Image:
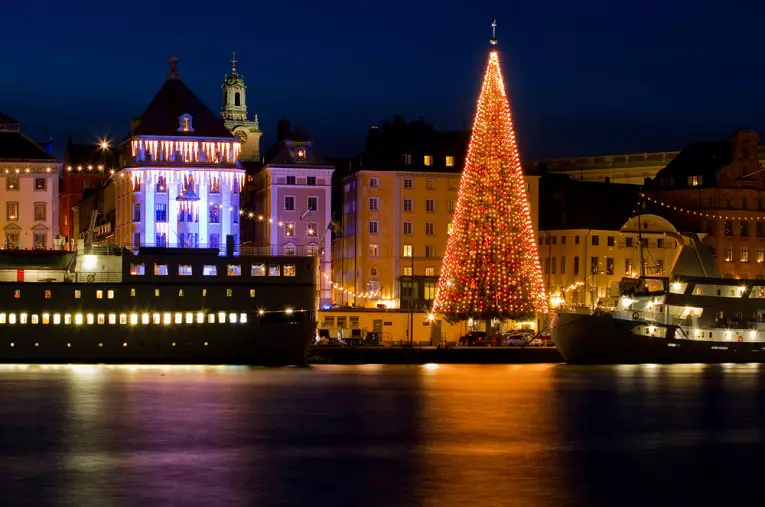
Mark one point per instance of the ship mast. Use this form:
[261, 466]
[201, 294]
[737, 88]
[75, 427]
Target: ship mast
[640, 240]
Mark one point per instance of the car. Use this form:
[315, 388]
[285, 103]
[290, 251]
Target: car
[473, 339]
[541, 341]
[515, 340]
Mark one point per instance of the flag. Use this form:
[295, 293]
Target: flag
[334, 227]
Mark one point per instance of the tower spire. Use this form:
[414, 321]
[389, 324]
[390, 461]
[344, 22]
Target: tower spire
[493, 39]
[173, 74]
[234, 61]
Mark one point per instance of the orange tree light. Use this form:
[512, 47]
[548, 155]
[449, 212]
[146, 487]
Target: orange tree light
[491, 264]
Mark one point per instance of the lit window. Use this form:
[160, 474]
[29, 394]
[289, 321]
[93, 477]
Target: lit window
[101, 318]
[300, 154]
[12, 318]
[184, 270]
[78, 319]
[90, 318]
[229, 293]
[210, 270]
[2, 318]
[407, 250]
[289, 270]
[156, 318]
[243, 318]
[68, 318]
[160, 269]
[99, 294]
[221, 317]
[232, 318]
[234, 270]
[180, 293]
[449, 227]
[23, 318]
[17, 294]
[123, 318]
[137, 269]
[57, 318]
[289, 229]
[204, 292]
[430, 271]
[113, 318]
[449, 161]
[211, 318]
[145, 318]
[132, 292]
[252, 293]
[47, 294]
[110, 294]
[179, 318]
[428, 160]
[374, 182]
[35, 318]
[46, 318]
[167, 318]
[374, 251]
[189, 318]
[431, 184]
[200, 318]
[133, 319]
[273, 270]
[185, 125]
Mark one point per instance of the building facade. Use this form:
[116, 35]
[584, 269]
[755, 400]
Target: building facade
[29, 178]
[292, 201]
[630, 168]
[234, 114]
[181, 178]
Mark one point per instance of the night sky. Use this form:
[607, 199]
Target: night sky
[585, 78]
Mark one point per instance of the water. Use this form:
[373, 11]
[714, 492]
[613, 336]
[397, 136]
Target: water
[536, 435]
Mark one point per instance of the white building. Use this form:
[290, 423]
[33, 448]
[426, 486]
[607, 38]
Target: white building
[181, 181]
[28, 190]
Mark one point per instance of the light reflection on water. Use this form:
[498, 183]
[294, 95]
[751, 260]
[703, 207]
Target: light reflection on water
[531, 435]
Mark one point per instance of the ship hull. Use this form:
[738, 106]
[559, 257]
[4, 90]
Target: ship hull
[262, 343]
[588, 339]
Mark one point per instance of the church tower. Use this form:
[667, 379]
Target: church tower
[234, 114]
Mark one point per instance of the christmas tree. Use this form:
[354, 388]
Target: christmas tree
[491, 264]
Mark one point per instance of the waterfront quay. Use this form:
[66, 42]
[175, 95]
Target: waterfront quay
[438, 355]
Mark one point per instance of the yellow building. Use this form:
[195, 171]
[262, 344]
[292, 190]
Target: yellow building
[395, 228]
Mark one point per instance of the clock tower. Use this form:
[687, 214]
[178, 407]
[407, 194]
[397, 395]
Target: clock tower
[234, 114]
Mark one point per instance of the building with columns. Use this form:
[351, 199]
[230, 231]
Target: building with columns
[234, 114]
[292, 200]
[28, 191]
[181, 179]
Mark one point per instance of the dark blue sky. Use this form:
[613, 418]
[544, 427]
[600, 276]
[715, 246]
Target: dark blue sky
[585, 78]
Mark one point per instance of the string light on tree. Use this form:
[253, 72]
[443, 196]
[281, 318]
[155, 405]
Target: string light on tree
[491, 265]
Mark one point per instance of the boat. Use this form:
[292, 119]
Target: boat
[680, 318]
[156, 305]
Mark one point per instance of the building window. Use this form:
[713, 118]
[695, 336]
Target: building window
[214, 185]
[214, 214]
[595, 240]
[546, 268]
[576, 240]
[659, 266]
[554, 240]
[374, 250]
[563, 240]
[594, 265]
[451, 206]
[209, 270]
[430, 251]
[289, 229]
[313, 203]
[374, 182]
[374, 227]
[760, 254]
[12, 183]
[449, 161]
[407, 228]
[430, 205]
[428, 160]
[430, 271]
[407, 270]
[407, 250]
[408, 183]
[744, 203]
[161, 184]
[161, 239]
[553, 263]
[289, 270]
[11, 240]
[695, 181]
[313, 230]
[40, 211]
[234, 270]
[431, 184]
[628, 267]
[729, 202]
[429, 291]
[12, 211]
[40, 183]
[609, 266]
[184, 270]
[406, 159]
[137, 269]
[563, 265]
[300, 154]
[160, 270]
[40, 240]
[728, 228]
[430, 228]
[161, 213]
[449, 228]
[576, 265]
[744, 254]
[291, 180]
[744, 228]
[214, 241]
[407, 205]
[310, 180]
[137, 212]
[373, 202]
[610, 240]
[759, 230]
[289, 203]
[274, 270]
[728, 253]
[185, 123]
[660, 243]
[258, 270]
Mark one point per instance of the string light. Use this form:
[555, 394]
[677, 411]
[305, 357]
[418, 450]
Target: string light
[700, 213]
[491, 264]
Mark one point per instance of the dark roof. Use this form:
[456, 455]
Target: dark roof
[17, 146]
[697, 159]
[573, 204]
[90, 154]
[285, 153]
[173, 100]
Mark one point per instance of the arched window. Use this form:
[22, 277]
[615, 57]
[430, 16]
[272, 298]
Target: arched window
[237, 99]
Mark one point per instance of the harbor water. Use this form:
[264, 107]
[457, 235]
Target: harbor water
[440, 435]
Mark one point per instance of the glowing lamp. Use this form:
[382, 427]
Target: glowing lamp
[89, 261]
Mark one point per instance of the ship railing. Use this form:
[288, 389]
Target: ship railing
[100, 277]
[243, 249]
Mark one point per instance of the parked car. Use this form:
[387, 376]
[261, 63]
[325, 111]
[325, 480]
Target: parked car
[541, 341]
[517, 337]
[474, 339]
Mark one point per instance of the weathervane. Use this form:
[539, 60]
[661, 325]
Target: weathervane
[493, 39]
[234, 61]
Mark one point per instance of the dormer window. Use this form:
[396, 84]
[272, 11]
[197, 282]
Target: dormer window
[300, 154]
[185, 123]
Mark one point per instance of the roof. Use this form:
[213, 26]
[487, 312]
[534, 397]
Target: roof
[573, 204]
[17, 146]
[172, 101]
[698, 159]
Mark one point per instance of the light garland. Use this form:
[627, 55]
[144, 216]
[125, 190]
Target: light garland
[491, 265]
[700, 213]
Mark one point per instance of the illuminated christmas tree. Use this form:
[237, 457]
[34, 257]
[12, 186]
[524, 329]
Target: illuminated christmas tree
[491, 265]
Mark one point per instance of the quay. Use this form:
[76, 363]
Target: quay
[427, 354]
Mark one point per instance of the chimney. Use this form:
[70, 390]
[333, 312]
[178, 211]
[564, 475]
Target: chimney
[282, 130]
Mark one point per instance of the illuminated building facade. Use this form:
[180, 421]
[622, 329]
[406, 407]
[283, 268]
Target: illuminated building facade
[181, 177]
[28, 191]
